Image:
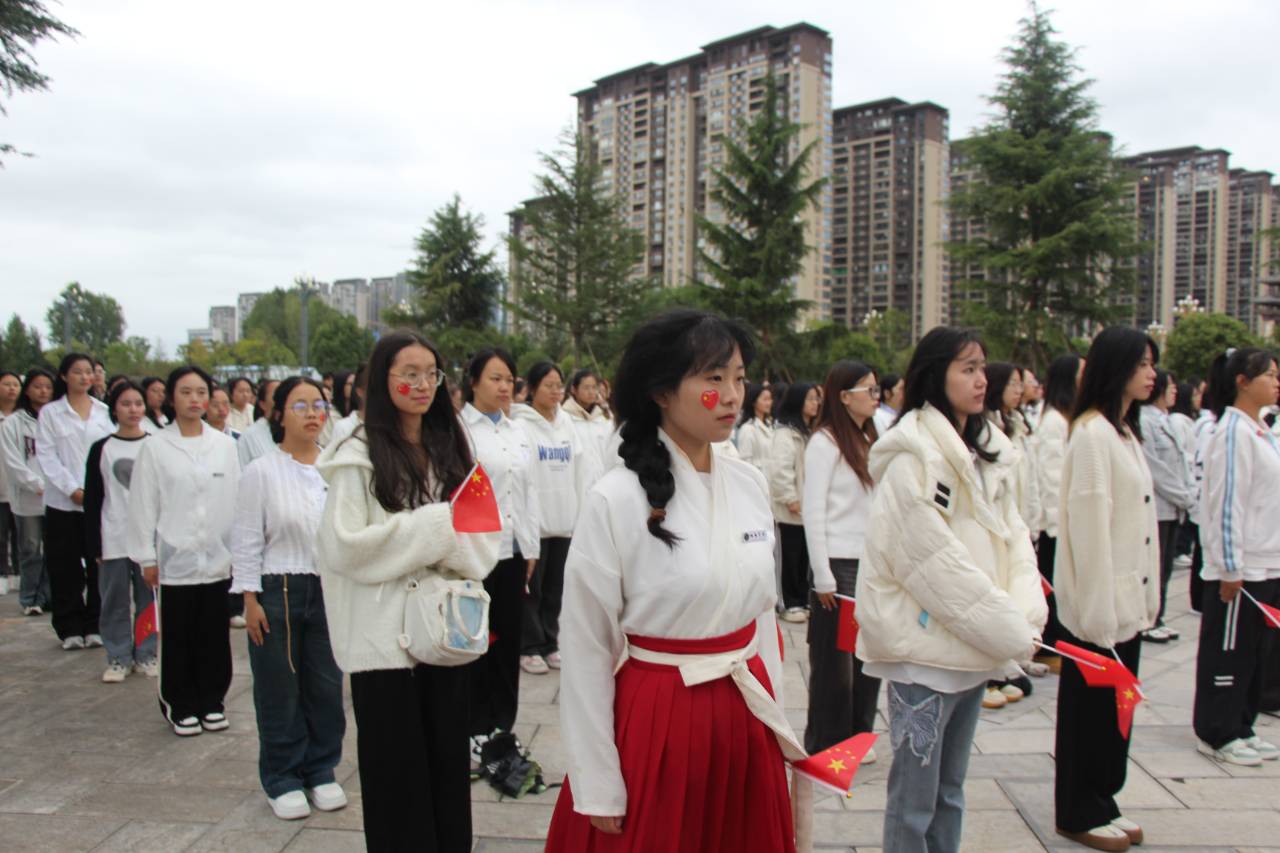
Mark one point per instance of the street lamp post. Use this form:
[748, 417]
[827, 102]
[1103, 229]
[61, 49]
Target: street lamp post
[305, 288]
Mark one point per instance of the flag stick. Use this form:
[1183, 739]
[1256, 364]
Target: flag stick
[1265, 612]
[1135, 678]
[1075, 658]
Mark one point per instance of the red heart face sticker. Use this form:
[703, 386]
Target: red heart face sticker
[403, 389]
[710, 398]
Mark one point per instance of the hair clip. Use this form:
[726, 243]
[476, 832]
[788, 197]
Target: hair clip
[657, 514]
[1231, 351]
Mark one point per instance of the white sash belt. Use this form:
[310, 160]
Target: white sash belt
[702, 668]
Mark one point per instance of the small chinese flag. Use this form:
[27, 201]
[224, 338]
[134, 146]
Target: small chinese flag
[1046, 586]
[145, 625]
[1102, 671]
[835, 767]
[1271, 615]
[847, 627]
[475, 507]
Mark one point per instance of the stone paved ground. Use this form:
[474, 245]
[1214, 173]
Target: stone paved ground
[89, 766]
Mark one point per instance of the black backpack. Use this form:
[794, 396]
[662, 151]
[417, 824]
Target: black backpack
[509, 768]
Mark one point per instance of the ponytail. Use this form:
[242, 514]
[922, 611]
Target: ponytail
[1249, 362]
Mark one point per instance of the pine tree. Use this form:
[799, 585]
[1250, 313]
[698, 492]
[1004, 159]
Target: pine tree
[1052, 200]
[457, 283]
[20, 348]
[22, 24]
[575, 265]
[759, 249]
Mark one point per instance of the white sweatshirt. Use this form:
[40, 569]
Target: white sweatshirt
[278, 508]
[63, 439]
[254, 442]
[26, 480]
[1238, 526]
[836, 508]
[503, 449]
[181, 501]
[562, 472]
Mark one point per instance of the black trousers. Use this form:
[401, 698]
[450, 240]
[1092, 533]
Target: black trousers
[1092, 757]
[1197, 563]
[495, 678]
[795, 565]
[842, 701]
[411, 742]
[194, 649]
[1046, 548]
[73, 574]
[542, 603]
[1231, 663]
[1167, 531]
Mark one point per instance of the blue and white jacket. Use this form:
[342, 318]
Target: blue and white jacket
[1237, 504]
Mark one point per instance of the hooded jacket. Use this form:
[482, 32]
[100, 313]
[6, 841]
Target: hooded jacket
[594, 429]
[366, 555]
[1170, 469]
[949, 578]
[18, 456]
[562, 471]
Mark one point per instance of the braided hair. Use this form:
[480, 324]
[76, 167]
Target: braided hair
[659, 356]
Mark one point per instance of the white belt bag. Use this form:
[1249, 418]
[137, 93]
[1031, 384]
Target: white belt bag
[446, 622]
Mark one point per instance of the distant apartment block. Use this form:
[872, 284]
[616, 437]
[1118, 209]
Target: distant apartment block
[350, 296]
[1250, 213]
[244, 307]
[223, 318]
[659, 132]
[207, 336]
[890, 181]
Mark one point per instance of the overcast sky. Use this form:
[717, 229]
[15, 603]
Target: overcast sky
[187, 152]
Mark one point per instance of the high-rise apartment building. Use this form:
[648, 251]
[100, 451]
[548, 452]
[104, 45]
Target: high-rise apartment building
[658, 131]
[387, 292]
[244, 307]
[1249, 247]
[350, 296]
[223, 318]
[890, 179]
[1181, 205]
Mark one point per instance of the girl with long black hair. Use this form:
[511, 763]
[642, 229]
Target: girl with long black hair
[1107, 574]
[68, 426]
[755, 428]
[672, 559]
[26, 489]
[794, 421]
[387, 519]
[10, 388]
[153, 395]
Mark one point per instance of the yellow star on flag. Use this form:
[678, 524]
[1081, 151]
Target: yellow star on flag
[836, 765]
[1128, 694]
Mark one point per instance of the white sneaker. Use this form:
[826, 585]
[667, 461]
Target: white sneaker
[187, 727]
[290, 806]
[795, 614]
[33, 610]
[1182, 561]
[1266, 751]
[1012, 692]
[4, 584]
[115, 673]
[71, 643]
[1237, 752]
[328, 797]
[534, 664]
[870, 757]
[237, 621]
[150, 668]
[553, 660]
[214, 722]
[93, 641]
[993, 699]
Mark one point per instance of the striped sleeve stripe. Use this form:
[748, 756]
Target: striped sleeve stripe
[1228, 555]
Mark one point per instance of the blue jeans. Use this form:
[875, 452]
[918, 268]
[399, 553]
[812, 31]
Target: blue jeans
[931, 733]
[120, 580]
[34, 586]
[297, 688]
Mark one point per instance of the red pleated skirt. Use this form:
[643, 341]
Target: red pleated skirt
[702, 773]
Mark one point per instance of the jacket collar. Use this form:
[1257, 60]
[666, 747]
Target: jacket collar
[574, 408]
[982, 486]
[475, 417]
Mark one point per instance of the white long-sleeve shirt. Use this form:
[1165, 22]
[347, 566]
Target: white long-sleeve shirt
[181, 501]
[63, 440]
[278, 509]
[619, 580]
[18, 449]
[1051, 449]
[504, 451]
[254, 442]
[836, 508]
[4, 472]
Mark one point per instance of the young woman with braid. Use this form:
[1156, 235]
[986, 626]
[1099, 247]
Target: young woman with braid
[672, 557]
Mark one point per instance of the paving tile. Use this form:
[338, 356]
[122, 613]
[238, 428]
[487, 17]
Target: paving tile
[144, 836]
[156, 802]
[29, 833]
[327, 841]
[1219, 827]
[997, 832]
[1228, 793]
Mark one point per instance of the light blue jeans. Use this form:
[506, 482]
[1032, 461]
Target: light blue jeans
[119, 582]
[34, 587]
[931, 733]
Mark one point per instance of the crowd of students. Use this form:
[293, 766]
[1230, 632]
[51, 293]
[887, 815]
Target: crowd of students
[651, 530]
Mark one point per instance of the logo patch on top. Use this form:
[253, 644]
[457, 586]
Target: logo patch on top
[756, 536]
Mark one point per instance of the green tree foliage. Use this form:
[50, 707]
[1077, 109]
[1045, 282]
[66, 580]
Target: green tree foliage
[456, 282]
[96, 319]
[22, 24]
[340, 344]
[1197, 339]
[575, 274]
[255, 350]
[1047, 189]
[132, 356]
[276, 318]
[20, 346]
[754, 254]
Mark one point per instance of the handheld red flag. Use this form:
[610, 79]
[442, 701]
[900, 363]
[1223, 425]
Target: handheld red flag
[145, 625]
[475, 508]
[1102, 671]
[1046, 586]
[847, 626]
[1270, 615]
[835, 767]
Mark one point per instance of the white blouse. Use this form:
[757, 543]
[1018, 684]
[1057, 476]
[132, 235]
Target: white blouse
[504, 451]
[278, 509]
[619, 579]
[63, 440]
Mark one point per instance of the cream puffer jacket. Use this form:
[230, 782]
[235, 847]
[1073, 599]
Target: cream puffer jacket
[949, 579]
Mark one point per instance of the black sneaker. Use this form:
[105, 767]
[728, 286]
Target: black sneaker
[214, 722]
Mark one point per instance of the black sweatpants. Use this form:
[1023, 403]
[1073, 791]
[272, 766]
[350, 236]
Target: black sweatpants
[1046, 549]
[495, 678]
[1231, 663]
[411, 742]
[842, 701]
[1092, 757]
[1197, 563]
[542, 603]
[795, 565]
[73, 574]
[1167, 532]
[194, 649]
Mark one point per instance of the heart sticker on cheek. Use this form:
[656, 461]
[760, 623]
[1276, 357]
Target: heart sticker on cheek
[710, 398]
[403, 389]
